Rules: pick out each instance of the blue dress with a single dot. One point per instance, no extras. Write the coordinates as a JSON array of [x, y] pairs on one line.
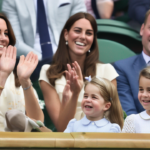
[[85, 125]]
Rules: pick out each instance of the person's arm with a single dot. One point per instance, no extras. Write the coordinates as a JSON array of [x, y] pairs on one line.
[[52, 101], [7, 64], [105, 8], [9, 8], [70, 95], [25, 68], [124, 91], [77, 6]]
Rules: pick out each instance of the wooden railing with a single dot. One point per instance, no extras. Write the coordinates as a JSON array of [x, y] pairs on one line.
[[56, 140]]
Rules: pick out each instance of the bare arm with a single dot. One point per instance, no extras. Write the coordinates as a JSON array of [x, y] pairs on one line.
[[52, 101], [70, 95], [24, 70]]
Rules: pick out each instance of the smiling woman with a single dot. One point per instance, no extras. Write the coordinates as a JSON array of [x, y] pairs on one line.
[[16, 90], [78, 42]]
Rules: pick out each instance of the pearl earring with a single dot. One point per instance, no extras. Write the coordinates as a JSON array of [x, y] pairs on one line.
[[89, 51], [66, 42]]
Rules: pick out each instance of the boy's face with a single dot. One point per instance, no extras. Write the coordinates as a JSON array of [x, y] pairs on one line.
[[93, 104], [144, 93]]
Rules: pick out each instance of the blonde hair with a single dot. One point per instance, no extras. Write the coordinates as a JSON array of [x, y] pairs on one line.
[[145, 72], [109, 92]]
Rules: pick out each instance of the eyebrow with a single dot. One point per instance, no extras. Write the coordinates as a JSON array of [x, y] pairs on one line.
[[81, 29]]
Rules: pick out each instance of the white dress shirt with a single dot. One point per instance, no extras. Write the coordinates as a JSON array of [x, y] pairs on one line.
[[37, 46], [146, 57]]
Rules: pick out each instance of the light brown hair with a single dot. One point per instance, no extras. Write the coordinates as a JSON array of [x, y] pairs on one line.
[[146, 16], [12, 41], [62, 57], [109, 93], [145, 73]]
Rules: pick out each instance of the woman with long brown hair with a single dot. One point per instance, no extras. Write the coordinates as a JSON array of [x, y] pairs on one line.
[[16, 91], [78, 42]]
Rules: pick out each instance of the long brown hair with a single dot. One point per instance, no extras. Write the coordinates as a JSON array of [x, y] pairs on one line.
[[109, 93], [62, 57], [12, 41]]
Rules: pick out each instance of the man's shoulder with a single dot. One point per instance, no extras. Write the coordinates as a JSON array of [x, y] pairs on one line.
[[125, 62]]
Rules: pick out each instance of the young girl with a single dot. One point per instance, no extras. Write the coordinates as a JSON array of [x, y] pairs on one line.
[[100, 104], [139, 123]]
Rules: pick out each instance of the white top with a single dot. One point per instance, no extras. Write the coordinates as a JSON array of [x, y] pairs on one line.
[[11, 98], [37, 46], [102, 70], [85, 125], [137, 123]]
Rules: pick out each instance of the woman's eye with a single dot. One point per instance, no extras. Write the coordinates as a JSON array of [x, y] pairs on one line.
[[89, 33], [6, 34], [77, 31]]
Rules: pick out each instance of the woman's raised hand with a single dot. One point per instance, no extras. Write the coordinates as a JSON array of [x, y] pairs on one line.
[[8, 60], [26, 66], [75, 77]]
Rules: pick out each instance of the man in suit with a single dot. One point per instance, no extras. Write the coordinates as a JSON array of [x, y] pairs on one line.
[[129, 69], [22, 15]]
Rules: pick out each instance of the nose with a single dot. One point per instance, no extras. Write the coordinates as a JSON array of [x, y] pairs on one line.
[[2, 36], [145, 94], [82, 35]]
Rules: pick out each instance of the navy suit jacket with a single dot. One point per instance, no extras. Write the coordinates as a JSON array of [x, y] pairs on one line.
[[128, 84]]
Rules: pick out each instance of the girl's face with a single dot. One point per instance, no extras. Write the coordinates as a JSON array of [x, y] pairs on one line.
[[4, 39], [144, 93], [93, 104], [80, 37]]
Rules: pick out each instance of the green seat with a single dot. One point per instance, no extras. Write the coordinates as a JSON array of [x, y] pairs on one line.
[[114, 23], [110, 51], [119, 32]]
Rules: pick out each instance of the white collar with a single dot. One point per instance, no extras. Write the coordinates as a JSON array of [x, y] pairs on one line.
[[98, 123], [144, 115], [146, 57]]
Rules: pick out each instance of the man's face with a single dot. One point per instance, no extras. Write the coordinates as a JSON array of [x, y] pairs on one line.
[[145, 33]]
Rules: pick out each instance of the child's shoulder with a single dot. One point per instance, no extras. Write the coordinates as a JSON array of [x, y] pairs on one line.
[[72, 123], [115, 128]]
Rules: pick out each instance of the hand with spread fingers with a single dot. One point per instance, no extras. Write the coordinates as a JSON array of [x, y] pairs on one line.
[[74, 81], [8, 60], [26, 66]]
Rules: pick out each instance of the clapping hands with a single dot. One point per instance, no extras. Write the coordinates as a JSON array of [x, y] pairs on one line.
[[74, 81]]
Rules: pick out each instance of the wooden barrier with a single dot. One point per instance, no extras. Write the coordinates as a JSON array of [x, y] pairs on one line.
[[56, 140]]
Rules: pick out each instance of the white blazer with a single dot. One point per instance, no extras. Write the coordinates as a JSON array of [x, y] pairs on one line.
[[22, 16]]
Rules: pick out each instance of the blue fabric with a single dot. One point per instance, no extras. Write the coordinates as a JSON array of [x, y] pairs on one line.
[[137, 9], [127, 83], [85, 125], [43, 31]]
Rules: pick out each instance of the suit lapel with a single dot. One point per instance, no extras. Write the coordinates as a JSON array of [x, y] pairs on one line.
[[139, 63], [31, 7]]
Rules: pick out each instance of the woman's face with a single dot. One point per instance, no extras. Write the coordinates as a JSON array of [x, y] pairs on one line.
[[80, 37], [4, 39]]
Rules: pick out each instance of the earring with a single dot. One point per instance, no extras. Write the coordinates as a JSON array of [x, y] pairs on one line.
[[66, 42], [89, 51]]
